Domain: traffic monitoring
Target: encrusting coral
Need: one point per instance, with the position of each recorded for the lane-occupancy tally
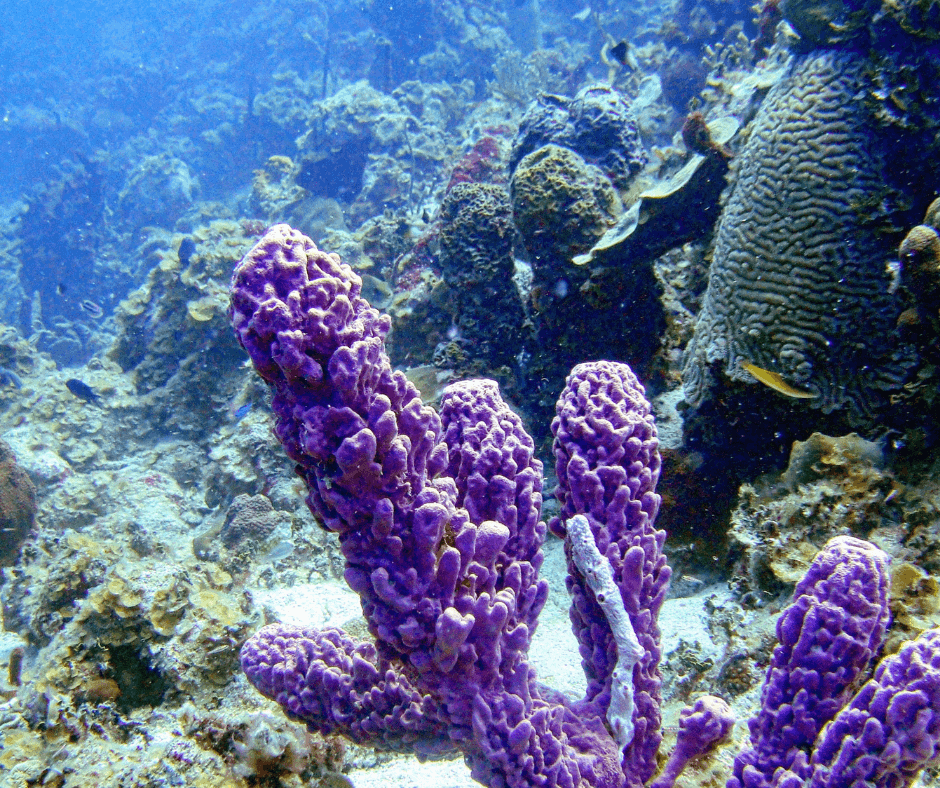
(919, 257)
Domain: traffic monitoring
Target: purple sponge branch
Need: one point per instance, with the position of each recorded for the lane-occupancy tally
(337, 685)
(828, 636)
(891, 729)
(701, 727)
(607, 461)
(491, 459)
(362, 440)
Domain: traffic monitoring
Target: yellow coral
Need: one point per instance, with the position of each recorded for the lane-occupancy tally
(202, 310)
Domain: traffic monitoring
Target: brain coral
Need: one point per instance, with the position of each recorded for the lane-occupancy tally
(797, 283)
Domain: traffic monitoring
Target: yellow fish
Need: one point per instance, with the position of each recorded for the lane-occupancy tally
(774, 381)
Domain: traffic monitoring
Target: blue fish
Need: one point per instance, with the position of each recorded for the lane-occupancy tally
(83, 391)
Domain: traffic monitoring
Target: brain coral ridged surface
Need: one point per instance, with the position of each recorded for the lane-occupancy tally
(798, 282)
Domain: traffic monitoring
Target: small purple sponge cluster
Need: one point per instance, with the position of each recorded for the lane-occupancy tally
(816, 728)
(438, 517)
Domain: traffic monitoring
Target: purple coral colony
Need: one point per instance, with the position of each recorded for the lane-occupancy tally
(524, 393)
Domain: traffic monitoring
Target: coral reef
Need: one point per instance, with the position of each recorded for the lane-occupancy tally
(675, 211)
(249, 521)
(366, 148)
(157, 523)
(561, 205)
(919, 256)
(160, 187)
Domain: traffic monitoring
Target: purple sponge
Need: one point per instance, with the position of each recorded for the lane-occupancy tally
(607, 462)
(828, 635)
(891, 729)
(336, 685)
(438, 519)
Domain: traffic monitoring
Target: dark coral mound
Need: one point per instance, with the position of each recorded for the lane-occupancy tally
(477, 261)
(597, 124)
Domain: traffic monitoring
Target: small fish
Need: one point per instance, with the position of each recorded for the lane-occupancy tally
(83, 391)
(242, 412)
(60, 289)
(619, 51)
(91, 308)
(617, 55)
(774, 381)
(186, 250)
(583, 14)
(429, 380)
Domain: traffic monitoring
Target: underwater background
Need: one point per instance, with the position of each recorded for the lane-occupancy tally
(738, 200)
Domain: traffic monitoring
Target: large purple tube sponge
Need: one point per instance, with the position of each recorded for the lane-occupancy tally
(438, 519)
(363, 442)
(607, 462)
